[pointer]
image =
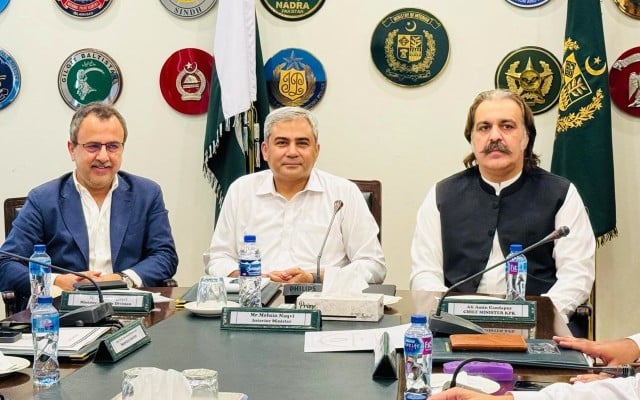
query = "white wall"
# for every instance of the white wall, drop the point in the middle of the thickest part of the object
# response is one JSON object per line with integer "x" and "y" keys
{"x": 370, "y": 128}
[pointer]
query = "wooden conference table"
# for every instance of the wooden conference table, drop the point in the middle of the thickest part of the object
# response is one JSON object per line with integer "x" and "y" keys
{"x": 263, "y": 364}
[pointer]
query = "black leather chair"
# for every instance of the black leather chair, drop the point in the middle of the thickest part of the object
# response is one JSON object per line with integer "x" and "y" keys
{"x": 12, "y": 207}
{"x": 372, "y": 192}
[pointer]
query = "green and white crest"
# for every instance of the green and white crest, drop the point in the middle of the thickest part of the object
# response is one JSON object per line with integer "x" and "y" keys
{"x": 87, "y": 76}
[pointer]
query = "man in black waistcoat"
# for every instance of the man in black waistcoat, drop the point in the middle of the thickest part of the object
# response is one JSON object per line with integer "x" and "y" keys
{"x": 468, "y": 221}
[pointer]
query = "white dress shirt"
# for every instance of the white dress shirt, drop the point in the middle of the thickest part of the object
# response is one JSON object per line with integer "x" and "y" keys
{"x": 98, "y": 221}
{"x": 574, "y": 254}
{"x": 289, "y": 233}
{"x": 612, "y": 388}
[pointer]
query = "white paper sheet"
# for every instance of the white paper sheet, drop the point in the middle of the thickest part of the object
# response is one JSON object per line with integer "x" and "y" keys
{"x": 352, "y": 340}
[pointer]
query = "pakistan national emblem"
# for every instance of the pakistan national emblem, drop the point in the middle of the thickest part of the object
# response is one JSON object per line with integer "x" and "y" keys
{"x": 410, "y": 47}
{"x": 624, "y": 82}
{"x": 294, "y": 78}
{"x": 534, "y": 74}
{"x": 89, "y": 75}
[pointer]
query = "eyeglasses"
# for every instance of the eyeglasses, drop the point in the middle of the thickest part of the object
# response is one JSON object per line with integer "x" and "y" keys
{"x": 94, "y": 147}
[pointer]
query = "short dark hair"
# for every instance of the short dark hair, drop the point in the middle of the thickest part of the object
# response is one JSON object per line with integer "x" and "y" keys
{"x": 531, "y": 159}
{"x": 102, "y": 111}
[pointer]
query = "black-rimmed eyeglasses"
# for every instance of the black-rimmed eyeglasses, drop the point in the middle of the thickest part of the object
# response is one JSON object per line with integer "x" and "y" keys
{"x": 94, "y": 147}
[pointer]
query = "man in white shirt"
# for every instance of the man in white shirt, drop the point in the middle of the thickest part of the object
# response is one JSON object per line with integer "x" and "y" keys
{"x": 289, "y": 208}
{"x": 585, "y": 387}
{"x": 468, "y": 220}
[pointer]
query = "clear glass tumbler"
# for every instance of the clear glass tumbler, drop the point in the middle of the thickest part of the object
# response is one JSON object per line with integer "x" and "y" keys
{"x": 211, "y": 292}
{"x": 128, "y": 377}
{"x": 203, "y": 383}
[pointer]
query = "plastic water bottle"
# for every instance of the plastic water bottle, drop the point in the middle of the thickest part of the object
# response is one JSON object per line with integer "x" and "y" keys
{"x": 250, "y": 273}
{"x": 418, "y": 341}
{"x": 45, "y": 327}
{"x": 516, "y": 275}
{"x": 39, "y": 275}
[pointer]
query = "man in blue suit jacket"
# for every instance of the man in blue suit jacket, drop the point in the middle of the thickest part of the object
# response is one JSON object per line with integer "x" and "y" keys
{"x": 109, "y": 224}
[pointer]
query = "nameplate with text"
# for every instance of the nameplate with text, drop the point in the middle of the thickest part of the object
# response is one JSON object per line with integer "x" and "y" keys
{"x": 121, "y": 343}
{"x": 505, "y": 311}
{"x": 123, "y": 302}
{"x": 271, "y": 319}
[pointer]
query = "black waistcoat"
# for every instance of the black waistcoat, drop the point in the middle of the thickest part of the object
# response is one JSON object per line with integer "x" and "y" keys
{"x": 524, "y": 213}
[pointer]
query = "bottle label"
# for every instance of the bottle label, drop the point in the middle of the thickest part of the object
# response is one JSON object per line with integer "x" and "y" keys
{"x": 417, "y": 346}
{"x": 46, "y": 323}
{"x": 250, "y": 268}
{"x": 512, "y": 267}
{"x": 522, "y": 266}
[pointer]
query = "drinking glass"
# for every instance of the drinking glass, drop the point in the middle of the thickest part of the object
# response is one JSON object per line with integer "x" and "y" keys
{"x": 211, "y": 292}
{"x": 203, "y": 383}
{"x": 128, "y": 377}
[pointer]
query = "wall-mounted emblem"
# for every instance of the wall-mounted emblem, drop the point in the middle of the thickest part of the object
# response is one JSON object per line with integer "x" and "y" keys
{"x": 9, "y": 79}
{"x": 410, "y": 47}
{"x": 292, "y": 10}
{"x": 185, "y": 80}
{"x": 533, "y": 73}
{"x": 294, "y": 78}
{"x": 83, "y": 8}
{"x": 624, "y": 82}
{"x": 629, "y": 7}
{"x": 89, "y": 75}
{"x": 188, "y": 8}
{"x": 3, "y": 5}
{"x": 527, "y": 3}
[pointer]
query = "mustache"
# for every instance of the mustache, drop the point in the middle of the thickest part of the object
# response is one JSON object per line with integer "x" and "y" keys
{"x": 493, "y": 146}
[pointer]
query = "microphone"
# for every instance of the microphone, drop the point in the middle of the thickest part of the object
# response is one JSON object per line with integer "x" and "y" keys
{"x": 445, "y": 324}
{"x": 82, "y": 316}
{"x": 292, "y": 291}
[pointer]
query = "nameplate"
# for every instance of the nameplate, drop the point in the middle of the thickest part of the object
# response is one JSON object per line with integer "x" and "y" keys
{"x": 505, "y": 311}
{"x": 121, "y": 343}
{"x": 123, "y": 302}
{"x": 384, "y": 359}
{"x": 271, "y": 319}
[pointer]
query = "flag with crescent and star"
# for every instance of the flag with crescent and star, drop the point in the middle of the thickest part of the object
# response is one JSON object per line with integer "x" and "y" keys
{"x": 238, "y": 102}
{"x": 583, "y": 150}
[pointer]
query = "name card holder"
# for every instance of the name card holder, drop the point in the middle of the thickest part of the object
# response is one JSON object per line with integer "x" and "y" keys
{"x": 503, "y": 311}
{"x": 384, "y": 359}
{"x": 270, "y": 319}
{"x": 121, "y": 343}
{"x": 133, "y": 302}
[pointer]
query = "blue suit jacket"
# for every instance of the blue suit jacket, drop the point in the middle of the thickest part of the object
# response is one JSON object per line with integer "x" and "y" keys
{"x": 140, "y": 233}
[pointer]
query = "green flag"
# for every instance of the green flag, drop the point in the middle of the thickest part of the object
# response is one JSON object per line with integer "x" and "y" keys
{"x": 238, "y": 102}
{"x": 582, "y": 151}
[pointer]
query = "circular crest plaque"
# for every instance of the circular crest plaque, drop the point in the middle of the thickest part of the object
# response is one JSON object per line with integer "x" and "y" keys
{"x": 188, "y": 8}
{"x": 89, "y": 75}
{"x": 624, "y": 82}
{"x": 629, "y": 7}
{"x": 3, "y": 5}
{"x": 83, "y": 8}
{"x": 293, "y": 10}
{"x": 410, "y": 47}
{"x": 533, "y": 73}
{"x": 185, "y": 80}
{"x": 527, "y": 3}
{"x": 9, "y": 79}
{"x": 294, "y": 78}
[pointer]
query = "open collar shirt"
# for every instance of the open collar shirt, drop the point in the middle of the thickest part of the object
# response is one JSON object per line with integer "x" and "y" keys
{"x": 290, "y": 233}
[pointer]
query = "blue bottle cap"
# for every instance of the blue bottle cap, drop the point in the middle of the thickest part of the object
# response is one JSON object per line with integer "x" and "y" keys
{"x": 249, "y": 238}
{"x": 514, "y": 248}
{"x": 45, "y": 300}
{"x": 414, "y": 396}
{"x": 418, "y": 319}
{"x": 39, "y": 248}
